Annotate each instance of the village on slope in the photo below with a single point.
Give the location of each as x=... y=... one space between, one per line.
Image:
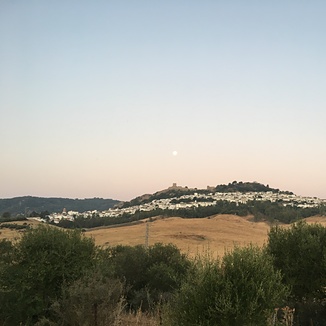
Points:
x=195 y=199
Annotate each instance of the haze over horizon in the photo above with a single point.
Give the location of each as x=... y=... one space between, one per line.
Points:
x=118 y=99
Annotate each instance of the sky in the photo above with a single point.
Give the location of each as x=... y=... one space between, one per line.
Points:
x=115 y=99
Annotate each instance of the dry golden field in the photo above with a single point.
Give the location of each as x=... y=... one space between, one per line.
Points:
x=193 y=236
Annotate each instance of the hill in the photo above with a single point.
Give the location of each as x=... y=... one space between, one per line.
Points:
x=177 y=191
x=215 y=234
x=28 y=204
x=236 y=198
x=193 y=236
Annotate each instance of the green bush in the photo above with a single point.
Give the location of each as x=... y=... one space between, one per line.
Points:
x=35 y=269
x=150 y=274
x=90 y=300
x=300 y=253
x=242 y=289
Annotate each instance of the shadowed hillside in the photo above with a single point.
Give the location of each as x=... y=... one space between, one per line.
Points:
x=28 y=204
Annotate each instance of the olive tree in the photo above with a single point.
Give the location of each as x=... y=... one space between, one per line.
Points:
x=90 y=300
x=241 y=289
x=300 y=253
x=150 y=274
x=42 y=261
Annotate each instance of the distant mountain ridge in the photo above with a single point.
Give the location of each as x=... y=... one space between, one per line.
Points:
x=27 y=204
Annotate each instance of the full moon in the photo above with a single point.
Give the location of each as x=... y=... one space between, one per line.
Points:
x=174 y=153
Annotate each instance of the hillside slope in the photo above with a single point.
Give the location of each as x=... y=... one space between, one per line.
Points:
x=192 y=235
x=28 y=204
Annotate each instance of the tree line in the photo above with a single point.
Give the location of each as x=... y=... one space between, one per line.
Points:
x=57 y=277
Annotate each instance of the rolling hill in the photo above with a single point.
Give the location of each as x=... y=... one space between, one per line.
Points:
x=214 y=234
x=28 y=204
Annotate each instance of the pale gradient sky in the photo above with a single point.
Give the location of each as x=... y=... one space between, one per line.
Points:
x=96 y=95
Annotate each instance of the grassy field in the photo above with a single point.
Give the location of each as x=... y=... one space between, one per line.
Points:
x=193 y=236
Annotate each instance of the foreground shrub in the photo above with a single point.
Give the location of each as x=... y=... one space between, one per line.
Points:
x=91 y=300
x=300 y=253
x=242 y=289
x=151 y=274
x=36 y=267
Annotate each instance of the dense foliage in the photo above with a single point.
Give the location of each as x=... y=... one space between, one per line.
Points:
x=300 y=253
x=52 y=274
x=242 y=289
x=91 y=300
x=246 y=187
x=58 y=277
x=150 y=274
x=33 y=271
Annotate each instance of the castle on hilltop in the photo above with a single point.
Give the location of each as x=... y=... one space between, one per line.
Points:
x=175 y=186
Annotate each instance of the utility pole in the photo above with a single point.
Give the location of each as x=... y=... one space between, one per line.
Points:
x=146 y=235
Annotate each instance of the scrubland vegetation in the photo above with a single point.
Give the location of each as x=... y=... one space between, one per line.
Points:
x=59 y=277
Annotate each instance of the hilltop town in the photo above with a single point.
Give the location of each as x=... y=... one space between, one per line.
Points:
x=195 y=200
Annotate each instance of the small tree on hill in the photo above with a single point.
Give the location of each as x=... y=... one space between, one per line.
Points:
x=6 y=215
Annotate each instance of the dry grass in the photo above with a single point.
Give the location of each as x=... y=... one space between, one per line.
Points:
x=316 y=219
x=193 y=236
x=138 y=319
x=12 y=234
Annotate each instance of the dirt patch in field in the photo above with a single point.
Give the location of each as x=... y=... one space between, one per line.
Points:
x=196 y=237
